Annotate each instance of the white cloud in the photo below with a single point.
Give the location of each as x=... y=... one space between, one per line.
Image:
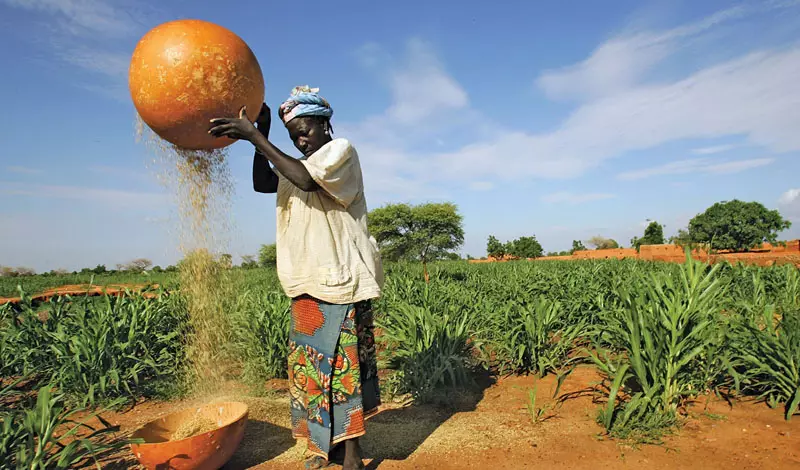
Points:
x=567 y=197
x=789 y=204
x=754 y=96
x=790 y=197
x=481 y=185
x=421 y=88
x=712 y=150
x=112 y=64
x=621 y=62
x=114 y=198
x=697 y=165
x=82 y=16
x=24 y=170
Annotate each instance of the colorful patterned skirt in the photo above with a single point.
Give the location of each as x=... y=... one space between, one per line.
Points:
x=333 y=372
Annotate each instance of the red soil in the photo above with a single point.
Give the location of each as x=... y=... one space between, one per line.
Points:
x=85 y=289
x=496 y=432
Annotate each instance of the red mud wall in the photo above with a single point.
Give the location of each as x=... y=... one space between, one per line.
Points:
x=765 y=256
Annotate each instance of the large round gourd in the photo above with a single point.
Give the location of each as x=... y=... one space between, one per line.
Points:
x=186 y=72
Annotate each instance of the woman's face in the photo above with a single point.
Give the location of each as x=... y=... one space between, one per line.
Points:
x=308 y=134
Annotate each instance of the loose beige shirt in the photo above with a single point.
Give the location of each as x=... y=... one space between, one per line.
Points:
x=323 y=246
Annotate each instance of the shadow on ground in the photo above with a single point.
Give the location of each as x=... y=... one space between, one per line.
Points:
x=262 y=442
x=396 y=434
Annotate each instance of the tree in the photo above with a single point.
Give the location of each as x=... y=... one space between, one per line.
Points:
x=736 y=225
x=577 y=245
x=268 y=255
x=526 y=247
x=8 y=271
x=138 y=265
x=653 y=235
x=249 y=262
x=494 y=248
x=422 y=233
x=602 y=243
x=226 y=261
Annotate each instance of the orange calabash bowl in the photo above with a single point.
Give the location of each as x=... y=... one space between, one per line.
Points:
x=184 y=73
x=207 y=451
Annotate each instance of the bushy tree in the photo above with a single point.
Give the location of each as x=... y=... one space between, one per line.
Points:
x=602 y=243
x=226 y=261
x=494 y=248
x=525 y=247
x=249 y=262
x=138 y=265
x=268 y=255
x=577 y=245
x=8 y=271
x=424 y=232
x=653 y=235
x=736 y=225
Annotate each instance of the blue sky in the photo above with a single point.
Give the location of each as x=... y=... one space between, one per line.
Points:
x=561 y=119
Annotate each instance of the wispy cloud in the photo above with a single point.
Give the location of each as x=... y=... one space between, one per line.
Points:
x=81 y=17
x=105 y=197
x=789 y=203
x=412 y=101
x=752 y=97
x=567 y=197
x=118 y=173
x=427 y=105
x=713 y=149
x=481 y=185
x=621 y=62
x=24 y=170
x=789 y=197
x=90 y=35
x=697 y=165
x=111 y=64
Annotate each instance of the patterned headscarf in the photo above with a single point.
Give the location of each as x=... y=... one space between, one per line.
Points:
x=304 y=101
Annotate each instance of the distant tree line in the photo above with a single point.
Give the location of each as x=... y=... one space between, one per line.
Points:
x=522 y=247
x=434 y=231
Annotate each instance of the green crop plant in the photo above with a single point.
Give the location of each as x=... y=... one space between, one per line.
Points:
x=536 y=413
x=534 y=336
x=428 y=350
x=96 y=349
x=261 y=334
x=768 y=351
x=43 y=434
x=664 y=333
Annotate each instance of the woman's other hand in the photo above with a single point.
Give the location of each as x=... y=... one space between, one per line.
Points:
x=264 y=120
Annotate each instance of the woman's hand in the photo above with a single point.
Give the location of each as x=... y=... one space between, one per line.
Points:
x=264 y=120
x=235 y=128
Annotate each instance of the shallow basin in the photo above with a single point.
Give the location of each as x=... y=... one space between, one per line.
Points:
x=205 y=451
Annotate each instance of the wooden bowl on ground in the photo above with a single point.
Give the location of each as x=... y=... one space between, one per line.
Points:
x=208 y=450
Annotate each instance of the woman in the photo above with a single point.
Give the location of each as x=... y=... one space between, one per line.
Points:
x=328 y=264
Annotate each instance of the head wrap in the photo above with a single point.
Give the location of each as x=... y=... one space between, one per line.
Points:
x=304 y=101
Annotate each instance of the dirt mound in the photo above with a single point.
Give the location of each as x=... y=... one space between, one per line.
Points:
x=86 y=290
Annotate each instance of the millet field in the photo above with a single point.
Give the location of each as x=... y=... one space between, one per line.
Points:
x=634 y=358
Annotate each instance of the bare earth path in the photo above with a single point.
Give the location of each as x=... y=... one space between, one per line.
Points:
x=496 y=432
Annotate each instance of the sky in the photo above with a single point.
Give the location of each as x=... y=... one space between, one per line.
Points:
x=559 y=119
